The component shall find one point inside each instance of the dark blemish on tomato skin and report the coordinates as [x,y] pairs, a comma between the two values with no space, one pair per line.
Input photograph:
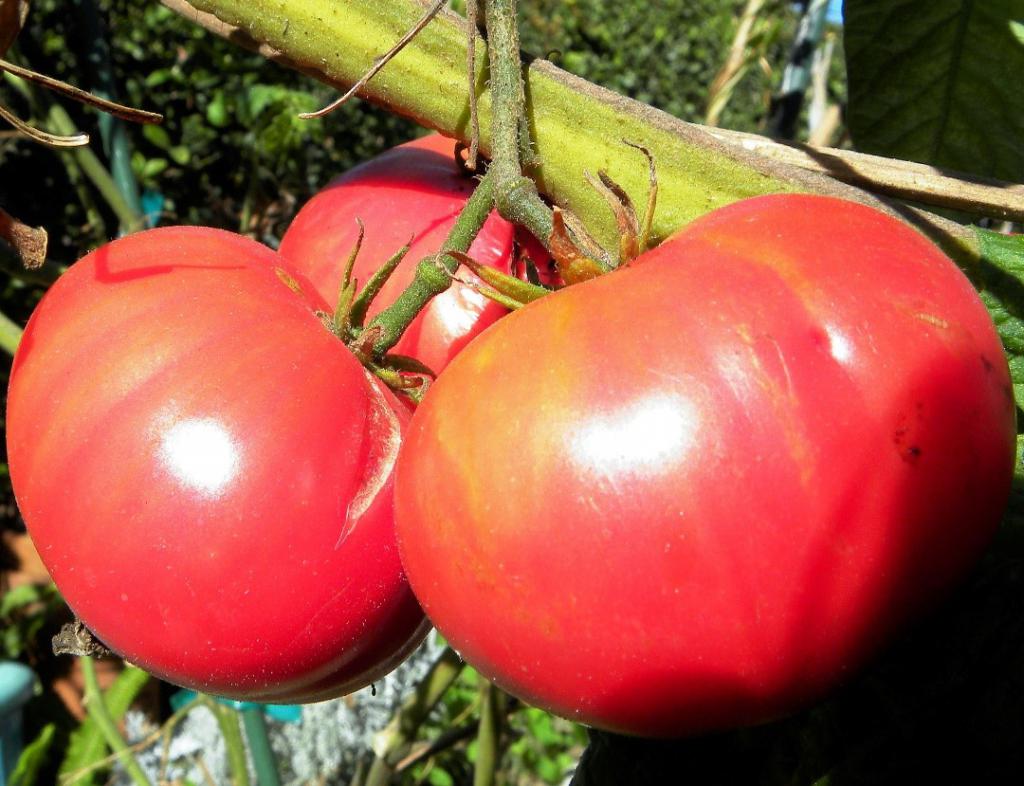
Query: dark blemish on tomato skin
[910,453]
[987,365]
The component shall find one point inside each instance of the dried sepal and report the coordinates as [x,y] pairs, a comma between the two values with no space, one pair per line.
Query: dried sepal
[573,265]
[363,342]
[585,241]
[625,214]
[652,196]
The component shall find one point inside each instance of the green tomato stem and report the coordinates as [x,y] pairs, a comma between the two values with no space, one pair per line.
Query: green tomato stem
[263,759]
[97,709]
[433,274]
[576,126]
[227,720]
[488,749]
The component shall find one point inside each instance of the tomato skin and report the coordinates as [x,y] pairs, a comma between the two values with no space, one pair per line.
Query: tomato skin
[726,476]
[206,470]
[412,191]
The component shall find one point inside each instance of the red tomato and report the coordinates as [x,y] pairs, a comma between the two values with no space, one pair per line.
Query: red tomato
[698,492]
[206,470]
[412,191]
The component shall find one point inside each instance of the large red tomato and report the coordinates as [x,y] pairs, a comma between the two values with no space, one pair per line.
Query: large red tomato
[412,191]
[207,471]
[698,492]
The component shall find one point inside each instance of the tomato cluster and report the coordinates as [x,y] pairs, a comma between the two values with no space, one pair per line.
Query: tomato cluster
[694,493]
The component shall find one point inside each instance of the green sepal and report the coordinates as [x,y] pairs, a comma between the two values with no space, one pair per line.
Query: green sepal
[342,319]
[511,287]
[357,314]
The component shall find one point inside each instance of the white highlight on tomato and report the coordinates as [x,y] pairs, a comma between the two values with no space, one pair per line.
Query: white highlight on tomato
[657,430]
[458,309]
[839,345]
[201,453]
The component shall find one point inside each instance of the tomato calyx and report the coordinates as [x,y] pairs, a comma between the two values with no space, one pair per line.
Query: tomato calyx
[578,257]
[403,374]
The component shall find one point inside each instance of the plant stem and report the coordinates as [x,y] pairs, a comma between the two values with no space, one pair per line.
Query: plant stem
[576,126]
[433,274]
[488,749]
[901,179]
[227,720]
[10,334]
[97,710]
[401,731]
[259,745]
[516,196]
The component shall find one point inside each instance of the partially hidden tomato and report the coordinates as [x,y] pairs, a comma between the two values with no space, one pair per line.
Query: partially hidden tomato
[699,492]
[206,470]
[412,192]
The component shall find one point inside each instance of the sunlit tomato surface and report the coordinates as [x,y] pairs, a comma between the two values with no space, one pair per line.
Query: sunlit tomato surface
[413,191]
[207,471]
[698,492]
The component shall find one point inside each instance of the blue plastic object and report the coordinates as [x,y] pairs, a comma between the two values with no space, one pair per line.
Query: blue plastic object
[286,713]
[16,688]
[152,206]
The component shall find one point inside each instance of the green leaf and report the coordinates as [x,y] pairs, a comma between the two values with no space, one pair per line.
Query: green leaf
[217,111]
[19,597]
[1000,279]
[180,154]
[439,777]
[33,757]
[153,167]
[938,81]
[157,135]
[87,745]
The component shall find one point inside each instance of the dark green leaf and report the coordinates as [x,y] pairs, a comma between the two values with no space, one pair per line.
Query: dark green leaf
[938,81]
[1000,279]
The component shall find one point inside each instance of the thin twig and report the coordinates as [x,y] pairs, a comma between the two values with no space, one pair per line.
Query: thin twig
[893,177]
[82,96]
[42,137]
[379,63]
[448,739]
